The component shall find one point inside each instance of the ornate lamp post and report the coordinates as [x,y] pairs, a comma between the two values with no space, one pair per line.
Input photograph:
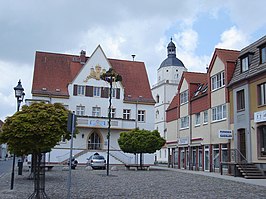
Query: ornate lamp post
[19,94]
[110,76]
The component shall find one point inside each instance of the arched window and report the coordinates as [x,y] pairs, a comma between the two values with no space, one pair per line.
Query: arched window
[94,141]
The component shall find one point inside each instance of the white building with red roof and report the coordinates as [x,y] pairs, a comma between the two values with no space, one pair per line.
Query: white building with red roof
[75,82]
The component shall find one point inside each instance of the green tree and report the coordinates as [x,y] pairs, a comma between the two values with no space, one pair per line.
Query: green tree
[35,130]
[140,141]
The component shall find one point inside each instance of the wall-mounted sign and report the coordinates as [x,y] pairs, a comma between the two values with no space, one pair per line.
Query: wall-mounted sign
[260,116]
[183,140]
[97,123]
[227,134]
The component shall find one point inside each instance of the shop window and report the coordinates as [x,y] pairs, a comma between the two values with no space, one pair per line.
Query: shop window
[262,141]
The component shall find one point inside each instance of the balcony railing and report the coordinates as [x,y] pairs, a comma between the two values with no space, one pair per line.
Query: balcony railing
[103,122]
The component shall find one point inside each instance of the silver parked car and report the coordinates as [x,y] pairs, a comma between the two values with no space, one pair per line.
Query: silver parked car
[96,161]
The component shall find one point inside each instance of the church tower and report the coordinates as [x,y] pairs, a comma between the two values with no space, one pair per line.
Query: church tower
[163,91]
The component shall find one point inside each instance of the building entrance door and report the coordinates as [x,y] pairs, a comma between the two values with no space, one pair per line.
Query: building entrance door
[94,141]
[242,143]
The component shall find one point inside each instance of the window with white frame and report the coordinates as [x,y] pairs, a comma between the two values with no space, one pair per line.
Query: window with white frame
[141,116]
[96,111]
[205,117]
[262,94]
[197,119]
[184,122]
[96,91]
[218,81]
[113,92]
[80,110]
[219,113]
[244,64]
[184,97]
[126,114]
[112,112]
[81,90]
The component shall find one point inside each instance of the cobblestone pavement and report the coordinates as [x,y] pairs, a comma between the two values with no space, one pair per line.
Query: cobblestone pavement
[155,183]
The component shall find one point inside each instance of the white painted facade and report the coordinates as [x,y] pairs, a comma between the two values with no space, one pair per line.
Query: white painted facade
[168,77]
[89,125]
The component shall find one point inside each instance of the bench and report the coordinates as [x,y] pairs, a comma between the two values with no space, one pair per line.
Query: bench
[137,167]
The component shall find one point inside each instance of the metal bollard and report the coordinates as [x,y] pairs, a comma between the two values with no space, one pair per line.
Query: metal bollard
[20,165]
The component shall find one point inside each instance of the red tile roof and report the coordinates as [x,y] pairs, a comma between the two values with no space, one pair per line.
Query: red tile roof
[53,72]
[225,55]
[174,103]
[193,78]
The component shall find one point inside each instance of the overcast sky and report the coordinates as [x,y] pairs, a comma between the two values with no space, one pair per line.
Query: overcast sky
[122,28]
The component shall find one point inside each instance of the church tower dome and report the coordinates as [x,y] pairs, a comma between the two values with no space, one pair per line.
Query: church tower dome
[171,59]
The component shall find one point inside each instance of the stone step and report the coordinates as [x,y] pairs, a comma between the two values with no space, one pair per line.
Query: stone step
[255,177]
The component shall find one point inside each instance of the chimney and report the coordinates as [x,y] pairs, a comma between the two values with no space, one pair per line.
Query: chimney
[83,57]
[133,56]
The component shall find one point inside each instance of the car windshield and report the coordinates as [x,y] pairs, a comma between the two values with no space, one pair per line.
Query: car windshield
[98,157]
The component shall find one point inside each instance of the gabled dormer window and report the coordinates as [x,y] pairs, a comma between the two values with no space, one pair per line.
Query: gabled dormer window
[263,54]
[244,64]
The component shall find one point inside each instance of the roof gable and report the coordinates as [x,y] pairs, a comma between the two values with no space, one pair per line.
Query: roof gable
[96,65]
[225,55]
[53,73]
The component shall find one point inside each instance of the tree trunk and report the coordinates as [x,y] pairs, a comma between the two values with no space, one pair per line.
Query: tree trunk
[38,168]
[140,161]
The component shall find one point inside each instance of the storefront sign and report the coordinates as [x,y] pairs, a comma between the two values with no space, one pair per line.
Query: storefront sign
[227,134]
[183,140]
[260,116]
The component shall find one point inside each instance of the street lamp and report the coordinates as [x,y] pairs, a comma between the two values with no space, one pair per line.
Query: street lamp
[110,76]
[19,94]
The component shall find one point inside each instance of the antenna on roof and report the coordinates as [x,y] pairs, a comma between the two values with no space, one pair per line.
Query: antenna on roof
[133,56]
